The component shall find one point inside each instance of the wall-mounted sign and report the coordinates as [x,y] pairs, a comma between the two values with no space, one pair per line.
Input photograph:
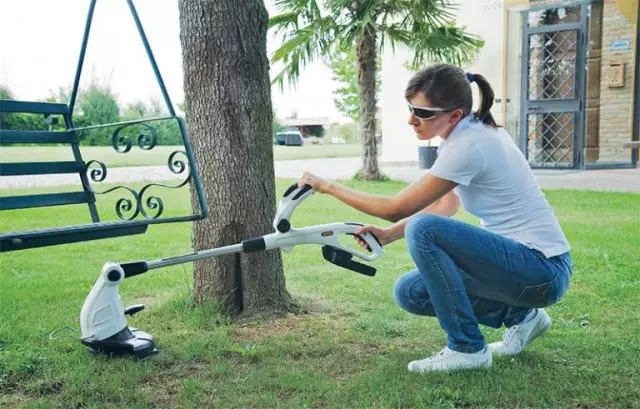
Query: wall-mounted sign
[619,45]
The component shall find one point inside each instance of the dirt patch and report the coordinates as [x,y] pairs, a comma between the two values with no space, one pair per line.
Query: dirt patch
[364,349]
[11,401]
[306,324]
[49,388]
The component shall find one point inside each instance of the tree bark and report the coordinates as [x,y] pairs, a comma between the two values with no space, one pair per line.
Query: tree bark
[228,99]
[366,55]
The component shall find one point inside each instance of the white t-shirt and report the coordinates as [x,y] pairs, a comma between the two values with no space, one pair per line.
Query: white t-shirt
[496,184]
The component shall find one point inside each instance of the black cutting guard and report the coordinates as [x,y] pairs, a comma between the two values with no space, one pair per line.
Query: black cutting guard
[343,259]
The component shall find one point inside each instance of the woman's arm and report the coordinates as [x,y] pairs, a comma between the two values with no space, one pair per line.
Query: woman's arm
[411,200]
[447,206]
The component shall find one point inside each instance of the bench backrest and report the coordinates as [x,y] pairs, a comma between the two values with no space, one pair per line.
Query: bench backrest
[39,137]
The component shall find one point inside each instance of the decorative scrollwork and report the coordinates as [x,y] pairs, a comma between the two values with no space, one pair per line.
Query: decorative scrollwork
[124,206]
[151,206]
[148,141]
[118,140]
[177,166]
[126,209]
[97,175]
[122,143]
[152,203]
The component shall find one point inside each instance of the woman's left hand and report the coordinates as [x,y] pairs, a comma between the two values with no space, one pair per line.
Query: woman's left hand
[384,236]
[317,183]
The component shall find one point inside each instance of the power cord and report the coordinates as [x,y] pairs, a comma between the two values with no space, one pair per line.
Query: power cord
[51,335]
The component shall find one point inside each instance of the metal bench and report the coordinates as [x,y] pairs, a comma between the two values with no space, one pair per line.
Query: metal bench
[142,207]
[136,222]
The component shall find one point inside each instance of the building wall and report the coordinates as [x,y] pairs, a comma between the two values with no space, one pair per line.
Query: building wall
[608,110]
[399,143]
[616,104]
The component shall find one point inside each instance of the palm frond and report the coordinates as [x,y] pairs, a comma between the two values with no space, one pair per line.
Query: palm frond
[448,44]
[430,12]
[395,36]
[302,46]
[425,26]
[284,21]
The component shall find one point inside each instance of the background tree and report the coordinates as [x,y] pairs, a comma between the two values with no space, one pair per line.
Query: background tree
[313,29]
[228,101]
[344,68]
[5,92]
[5,119]
[135,110]
[99,105]
[96,105]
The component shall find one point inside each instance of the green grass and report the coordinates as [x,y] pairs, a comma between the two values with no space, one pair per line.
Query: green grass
[349,351]
[160,154]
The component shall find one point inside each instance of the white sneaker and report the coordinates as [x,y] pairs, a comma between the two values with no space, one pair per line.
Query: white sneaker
[447,360]
[517,337]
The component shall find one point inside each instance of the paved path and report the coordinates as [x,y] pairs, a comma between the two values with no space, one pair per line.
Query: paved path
[623,180]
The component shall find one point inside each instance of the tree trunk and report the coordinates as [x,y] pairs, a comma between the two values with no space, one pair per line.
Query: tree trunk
[366,54]
[228,99]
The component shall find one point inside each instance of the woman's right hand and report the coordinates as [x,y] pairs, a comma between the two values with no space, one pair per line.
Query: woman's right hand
[317,183]
[383,235]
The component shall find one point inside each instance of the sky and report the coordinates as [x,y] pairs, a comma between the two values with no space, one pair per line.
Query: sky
[40,41]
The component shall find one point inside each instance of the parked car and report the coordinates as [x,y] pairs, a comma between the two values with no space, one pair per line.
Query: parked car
[289,138]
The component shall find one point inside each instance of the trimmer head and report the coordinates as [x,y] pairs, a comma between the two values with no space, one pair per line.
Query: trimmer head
[126,342]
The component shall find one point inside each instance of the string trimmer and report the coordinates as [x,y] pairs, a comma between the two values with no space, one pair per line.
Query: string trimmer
[103,322]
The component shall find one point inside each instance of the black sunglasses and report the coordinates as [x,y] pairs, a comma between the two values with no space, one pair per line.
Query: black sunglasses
[423,113]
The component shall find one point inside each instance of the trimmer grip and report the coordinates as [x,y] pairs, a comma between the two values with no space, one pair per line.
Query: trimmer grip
[290,190]
[295,187]
[373,243]
[367,240]
[289,201]
[134,268]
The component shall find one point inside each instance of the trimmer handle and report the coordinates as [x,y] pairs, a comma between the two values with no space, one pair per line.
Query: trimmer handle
[373,244]
[341,255]
[289,201]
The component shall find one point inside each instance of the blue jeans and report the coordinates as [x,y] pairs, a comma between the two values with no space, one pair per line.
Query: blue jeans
[467,276]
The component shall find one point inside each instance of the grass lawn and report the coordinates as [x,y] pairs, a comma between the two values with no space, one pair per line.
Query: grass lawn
[349,351]
[160,154]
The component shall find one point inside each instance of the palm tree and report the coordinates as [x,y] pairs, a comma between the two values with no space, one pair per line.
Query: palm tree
[313,29]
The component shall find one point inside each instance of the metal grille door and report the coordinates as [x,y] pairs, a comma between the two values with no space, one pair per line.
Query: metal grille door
[553,78]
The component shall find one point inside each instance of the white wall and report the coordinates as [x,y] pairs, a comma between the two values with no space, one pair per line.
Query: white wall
[399,143]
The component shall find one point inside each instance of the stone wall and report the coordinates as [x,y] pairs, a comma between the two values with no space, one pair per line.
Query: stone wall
[616,104]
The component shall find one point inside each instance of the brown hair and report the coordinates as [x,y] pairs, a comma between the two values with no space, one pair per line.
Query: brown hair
[447,86]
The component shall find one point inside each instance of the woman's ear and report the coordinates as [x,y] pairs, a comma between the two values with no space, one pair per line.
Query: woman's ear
[457,115]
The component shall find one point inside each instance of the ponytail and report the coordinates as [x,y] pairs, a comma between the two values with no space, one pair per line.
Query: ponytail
[486,99]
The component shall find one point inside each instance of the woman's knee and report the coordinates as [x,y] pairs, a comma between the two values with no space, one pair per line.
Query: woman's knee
[410,294]
[420,226]
[401,289]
